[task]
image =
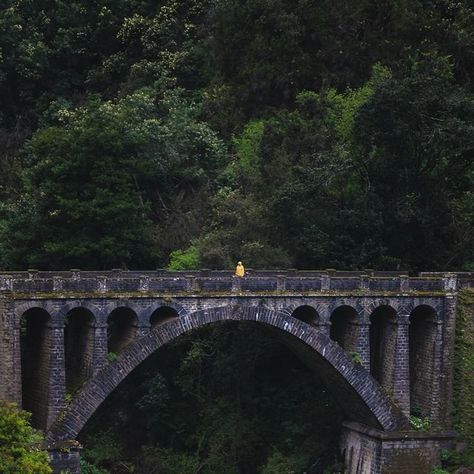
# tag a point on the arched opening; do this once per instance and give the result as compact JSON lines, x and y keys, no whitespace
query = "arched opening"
{"x":343,"y":330}
{"x":121,"y":329}
{"x":422,"y":339}
{"x":223,"y":397}
{"x":383,"y":340}
{"x":307,"y":314}
{"x":35,"y":354}
{"x":362,"y":398}
{"x":78,"y":347}
{"x":163,"y":315}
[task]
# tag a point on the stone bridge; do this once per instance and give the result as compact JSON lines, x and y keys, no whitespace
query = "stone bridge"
{"x":381,"y":341}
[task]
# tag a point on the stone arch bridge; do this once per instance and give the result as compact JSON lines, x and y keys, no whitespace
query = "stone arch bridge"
{"x":382,"y":342}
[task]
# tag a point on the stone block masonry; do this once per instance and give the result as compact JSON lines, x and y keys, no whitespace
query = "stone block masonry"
{"x":369,"y":451}
{"x":382,"y":341}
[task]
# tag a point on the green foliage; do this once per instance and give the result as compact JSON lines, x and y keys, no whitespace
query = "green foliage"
{"x":355,"y":356}
{"x":247,"y":146}
{"x":87,"y":468}
{"x":185,"y":259}
{"x":253,"y":130}
{"x":103,"y":451}
{"x":166,"y":461}
{"x":438,"y":470}
{"x":420,"y":424}
{"x":451,"y":459}
{"x":225,"y":399}
{"x":417,"y":161}
{"x":277,"y":463}
{"x":111,"y":356}
{"x":83,"y":202}
{"x":20,"y":444}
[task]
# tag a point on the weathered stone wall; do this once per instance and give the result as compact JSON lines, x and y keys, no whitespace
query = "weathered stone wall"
{"x":369,"y":451}
{"x":65,"y":460}
{"x":464,"y":375}
{"x":90,"y":341}
{"x":222,"y":281}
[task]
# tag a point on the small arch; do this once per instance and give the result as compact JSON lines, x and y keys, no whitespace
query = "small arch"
{"x":79,"y":332}
{"x":163,"y":315}
{"x":307,"y":314}
{"x":342,"y":327}
{"x":121,"y":329}
{"x":35,"y":364}
{"x":422,"y":340}
{"x":383,"y":341}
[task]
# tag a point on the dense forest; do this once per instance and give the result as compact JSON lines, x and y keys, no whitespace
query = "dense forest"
{"x":188,"y":134}
{"x":229,"y":399}
{"x":183,"y":134}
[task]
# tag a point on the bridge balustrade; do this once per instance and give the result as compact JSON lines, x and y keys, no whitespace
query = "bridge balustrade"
{"x":121,"y":281}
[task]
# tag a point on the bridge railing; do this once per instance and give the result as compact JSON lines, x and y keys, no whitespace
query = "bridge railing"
{"x":76,"y":281}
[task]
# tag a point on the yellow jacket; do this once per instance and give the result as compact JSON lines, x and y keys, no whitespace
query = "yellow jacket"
{"x":239,"y":270}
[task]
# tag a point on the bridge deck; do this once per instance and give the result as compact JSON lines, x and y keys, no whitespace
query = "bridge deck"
{"x":207,"y":281}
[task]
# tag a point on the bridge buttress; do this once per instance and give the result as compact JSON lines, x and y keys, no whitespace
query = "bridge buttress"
{"x":401,"y":370}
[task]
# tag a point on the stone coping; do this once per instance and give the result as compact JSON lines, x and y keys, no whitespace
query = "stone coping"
{"x":224,"y":282}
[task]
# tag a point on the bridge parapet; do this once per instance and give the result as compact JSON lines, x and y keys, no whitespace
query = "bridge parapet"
{"x":205,"y":281}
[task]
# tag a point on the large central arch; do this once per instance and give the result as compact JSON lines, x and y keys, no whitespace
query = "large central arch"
{"x":358,"y":393}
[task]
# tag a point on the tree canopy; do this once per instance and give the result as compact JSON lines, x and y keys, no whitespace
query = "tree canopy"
{"x":20,"y":444}
{"x":283,"y":133}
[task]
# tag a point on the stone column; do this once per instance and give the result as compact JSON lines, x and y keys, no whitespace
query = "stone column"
{"x":401,"y":370}
{"x":361,"y":326}
{"x":100,"y":347}
{"x":142,"y":330}
{"x":447,"y":365}
{"x":363,"y":343}
{"x":324,"y":328}
{"x":57,"y":372}
{"x":438,"y":376}
{"x":324,"y":323}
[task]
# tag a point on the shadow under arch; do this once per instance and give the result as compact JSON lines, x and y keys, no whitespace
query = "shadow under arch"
{"x":355,"y":389}
{"x":79,"y":338}
{"x":35,"y":340}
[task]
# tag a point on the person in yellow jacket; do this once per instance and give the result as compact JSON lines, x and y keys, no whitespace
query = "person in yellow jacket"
{"x":239,"y":270}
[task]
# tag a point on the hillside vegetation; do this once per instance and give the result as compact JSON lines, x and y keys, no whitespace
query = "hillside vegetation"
{"x":285,"y":133}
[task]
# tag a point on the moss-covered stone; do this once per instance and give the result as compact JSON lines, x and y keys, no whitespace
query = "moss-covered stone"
{"x":464,"y":373}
